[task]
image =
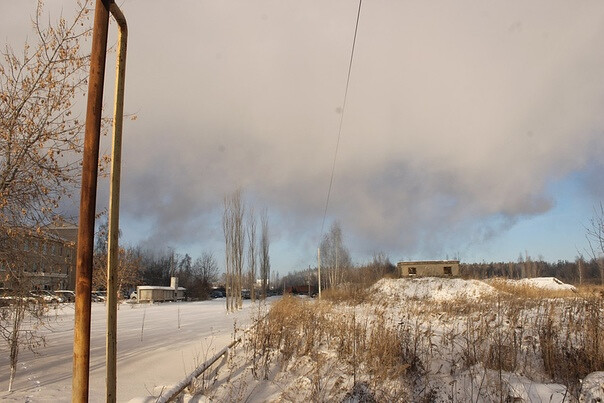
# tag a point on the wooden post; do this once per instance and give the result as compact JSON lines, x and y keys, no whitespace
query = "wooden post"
{"x":114,"y":208}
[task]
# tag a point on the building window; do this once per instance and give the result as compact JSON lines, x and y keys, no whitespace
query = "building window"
{"x":448,"y":270}
{"x":412,"y":271}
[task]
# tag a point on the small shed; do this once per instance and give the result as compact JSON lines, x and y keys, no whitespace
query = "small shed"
{"x":429,"y":268}
{"x":153,"y":293}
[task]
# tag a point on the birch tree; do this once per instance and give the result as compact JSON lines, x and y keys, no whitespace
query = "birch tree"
{"x":334,"y":255}
{"x":265,"y":262}
{"x":234,"y":236}
{"x":252,"y":251}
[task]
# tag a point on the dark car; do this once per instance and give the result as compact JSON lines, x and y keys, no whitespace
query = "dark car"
{"x":216,"y":294}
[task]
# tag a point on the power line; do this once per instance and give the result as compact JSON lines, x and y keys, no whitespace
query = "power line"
{"x":335,"y":156}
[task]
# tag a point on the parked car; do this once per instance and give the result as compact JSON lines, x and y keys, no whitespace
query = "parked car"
{"x":99,"y":296}
{"x":54,"y":297}
{"x":216,"y":294}
{"x":67,"y":295}
{"x":46,"y":296}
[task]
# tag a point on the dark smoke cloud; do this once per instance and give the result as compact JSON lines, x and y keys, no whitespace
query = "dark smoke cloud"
{"x":459,"y":116}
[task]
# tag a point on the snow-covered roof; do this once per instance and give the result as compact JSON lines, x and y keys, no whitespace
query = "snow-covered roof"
{"x":159,"y":287}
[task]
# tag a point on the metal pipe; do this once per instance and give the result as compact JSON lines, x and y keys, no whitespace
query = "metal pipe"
{"x":81,"y":337}
{"x":114,"y":207}
{"x":171,"y":394}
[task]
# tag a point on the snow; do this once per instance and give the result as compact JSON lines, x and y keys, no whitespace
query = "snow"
{"x":158,"y":344}
{"x":593,"y":388}
{"x":546,"y":283}
{"x":431,"y":288}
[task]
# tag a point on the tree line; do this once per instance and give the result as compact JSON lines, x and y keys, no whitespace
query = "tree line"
{"x":141,"y":266}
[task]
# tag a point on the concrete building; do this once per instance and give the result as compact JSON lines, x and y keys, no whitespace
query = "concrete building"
{"x":429,"y":268}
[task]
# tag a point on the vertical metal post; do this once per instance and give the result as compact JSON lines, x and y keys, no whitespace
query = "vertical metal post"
{"x":319,"y":269}
{"x":81,"y":339}
{"x":114,"y":208}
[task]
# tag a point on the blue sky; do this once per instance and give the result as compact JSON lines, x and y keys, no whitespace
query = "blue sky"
{"x":472,"y":129}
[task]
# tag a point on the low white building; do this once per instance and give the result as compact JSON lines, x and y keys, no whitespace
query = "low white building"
{"x":155,"y":293}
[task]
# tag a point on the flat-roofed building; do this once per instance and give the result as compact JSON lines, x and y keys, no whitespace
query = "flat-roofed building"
{"x":429,"y":268}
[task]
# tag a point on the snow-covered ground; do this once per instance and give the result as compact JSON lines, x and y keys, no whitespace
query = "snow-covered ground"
{"x":546,"y":283}
{"x":158,"y":344}
{"x":431,"y":289}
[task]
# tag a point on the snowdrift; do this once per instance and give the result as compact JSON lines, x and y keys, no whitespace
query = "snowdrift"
{"x":431,"y":288}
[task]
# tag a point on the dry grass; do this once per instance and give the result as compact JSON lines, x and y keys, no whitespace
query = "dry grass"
{"x":524,"y":291}
{"x":545,"y":336}
{"x":351,"y":294}
{"x":372,"y":350}
{"x":591,"y":290}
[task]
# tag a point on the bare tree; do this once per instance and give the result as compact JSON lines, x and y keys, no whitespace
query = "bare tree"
{"x":580,"y":263}
{"x":595,"y":239}
{"x":129,"y":268}
{"x":204,"y":273}
{"x":227,"y":229}
{"x":265,"y":263}
{"x":40,"y":136}
{"x":40,"y":147}
{"x":234,"y":235}
{"x":334,"y":255}
{"x":206,"y":267}
{"x":251,"y":251}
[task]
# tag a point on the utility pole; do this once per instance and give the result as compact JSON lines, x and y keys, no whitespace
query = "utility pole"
{"x":319,"y":269}
{"x":81,"y":337}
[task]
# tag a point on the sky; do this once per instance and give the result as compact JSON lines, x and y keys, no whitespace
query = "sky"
{"x":471,"y":130}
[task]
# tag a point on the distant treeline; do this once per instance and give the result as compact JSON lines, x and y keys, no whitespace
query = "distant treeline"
{"x":578,"y":272}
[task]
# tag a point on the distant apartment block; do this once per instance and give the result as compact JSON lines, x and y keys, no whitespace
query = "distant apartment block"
{"x":45,"y":259}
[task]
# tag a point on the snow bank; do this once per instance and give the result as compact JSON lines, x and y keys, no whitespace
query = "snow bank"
{"x":546,"y":283}
{"x":431,"y":288}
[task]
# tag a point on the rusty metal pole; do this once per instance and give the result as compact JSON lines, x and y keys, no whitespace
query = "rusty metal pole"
{"x":114,"y":207}
{"x":81,"y":337}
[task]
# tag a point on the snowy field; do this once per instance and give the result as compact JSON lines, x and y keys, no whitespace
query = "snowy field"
{"x":465,"y":340}
{"x":158,"y":344}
